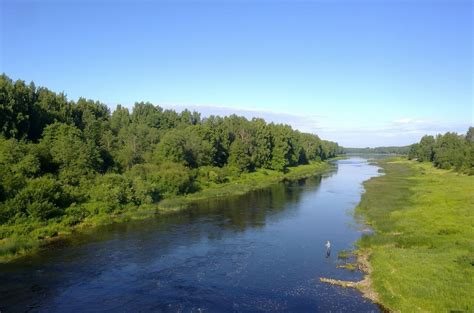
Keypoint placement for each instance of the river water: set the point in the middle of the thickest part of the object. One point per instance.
(261, 252)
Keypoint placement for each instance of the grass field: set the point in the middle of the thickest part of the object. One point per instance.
(23, 238)
(422, 249)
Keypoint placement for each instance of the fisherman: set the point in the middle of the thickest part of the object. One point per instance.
(328, 248)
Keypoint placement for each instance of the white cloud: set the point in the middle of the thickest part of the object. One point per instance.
(403, 120)
(352, 133)
(306, 123)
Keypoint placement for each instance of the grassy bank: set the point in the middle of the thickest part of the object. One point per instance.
(24, 238)
(422, 249)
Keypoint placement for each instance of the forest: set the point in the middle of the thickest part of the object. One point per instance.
(62, 161)
(448, 151)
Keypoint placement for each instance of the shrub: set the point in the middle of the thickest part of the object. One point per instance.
(113, 191)
(75, 214)
(210, 174)
(174, 179)
(42, 198)
(145, 191)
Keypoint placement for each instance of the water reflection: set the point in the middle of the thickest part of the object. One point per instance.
(258, 205)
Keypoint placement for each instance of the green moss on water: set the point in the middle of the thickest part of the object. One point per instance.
(422, 249)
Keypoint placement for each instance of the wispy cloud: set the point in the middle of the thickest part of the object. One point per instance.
(398, 132)
(349, 133)
(306, 123)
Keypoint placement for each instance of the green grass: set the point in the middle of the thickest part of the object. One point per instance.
(348, 266)
(344, 254)
(27, 236)
(422, 251)
(256, 180)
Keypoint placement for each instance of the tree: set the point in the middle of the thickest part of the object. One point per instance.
(183, 146)
(219, 137)
(426, 149)
(413, 152)
(15, 107)
(164, 180)
(283, 154)
(190, 118)
(145, 113)
(312, 146)
(470, 135)
(120, 119)
(66, 160)
(48, 108)
(112, 191)
(263, 144)
(94, 110)
(42, 198)
(70, 152)
(450, 151)
(240, 156)
(17, 165)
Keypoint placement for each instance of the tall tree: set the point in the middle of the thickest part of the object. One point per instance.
(426, 149)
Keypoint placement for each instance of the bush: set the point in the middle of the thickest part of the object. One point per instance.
(145, 191)
(231, 172)
(75, 214)
(17, 165)
(210, 174)
(174, 179)
(7, 211)
(158, 181)
(113, 191)
(42, 198)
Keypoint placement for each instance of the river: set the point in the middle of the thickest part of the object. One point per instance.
(260, 252)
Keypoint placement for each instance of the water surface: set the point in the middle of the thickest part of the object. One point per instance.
(261, 252)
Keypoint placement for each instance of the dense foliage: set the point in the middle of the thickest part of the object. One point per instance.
(448, 151)
(379, 150)
(67, 160)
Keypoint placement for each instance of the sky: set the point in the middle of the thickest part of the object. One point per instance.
(362, 73)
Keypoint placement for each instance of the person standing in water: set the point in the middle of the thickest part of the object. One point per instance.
(328, 248)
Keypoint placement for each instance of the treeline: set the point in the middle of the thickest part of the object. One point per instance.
(66, 160)
(379, 150)
(448, 151)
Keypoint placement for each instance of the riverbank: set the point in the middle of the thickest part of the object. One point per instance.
(29, 237)
(422, 248)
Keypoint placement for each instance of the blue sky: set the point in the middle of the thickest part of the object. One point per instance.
(363, 73)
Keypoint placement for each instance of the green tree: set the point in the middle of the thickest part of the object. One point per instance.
(470, 135)
(450, 151)
(112, 192)
(426, 149)
(184, 146)
(48, 108)
(174, 179)
(283, 154)
(413, 152)
(240, 155)
(70, 152)
(190, 118)
(120, 119)
(146, 113)
(15, 107)
(263, 144)
(66, 160)
(42, 198)
(17, 165)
